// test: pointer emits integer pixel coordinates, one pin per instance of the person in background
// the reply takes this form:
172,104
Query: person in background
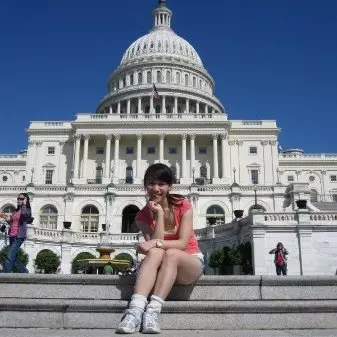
280,259
108,270
17,233
171,251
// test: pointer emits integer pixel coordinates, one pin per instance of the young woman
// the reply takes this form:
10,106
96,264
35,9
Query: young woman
172,252
17,233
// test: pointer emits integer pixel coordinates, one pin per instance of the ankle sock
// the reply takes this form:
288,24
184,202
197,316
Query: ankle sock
155,304
138,302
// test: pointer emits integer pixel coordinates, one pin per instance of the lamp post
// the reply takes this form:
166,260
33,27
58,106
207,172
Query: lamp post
193,172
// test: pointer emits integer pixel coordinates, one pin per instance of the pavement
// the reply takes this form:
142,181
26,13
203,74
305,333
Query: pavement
168,333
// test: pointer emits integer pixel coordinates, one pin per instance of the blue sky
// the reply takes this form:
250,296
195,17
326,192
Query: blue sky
270,60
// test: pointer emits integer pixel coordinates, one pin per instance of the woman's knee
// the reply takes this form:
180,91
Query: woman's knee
172,255
155,255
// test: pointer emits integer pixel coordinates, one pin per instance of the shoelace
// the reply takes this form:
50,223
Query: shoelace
129,317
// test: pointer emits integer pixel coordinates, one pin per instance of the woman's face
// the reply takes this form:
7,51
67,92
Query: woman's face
157,191
20,199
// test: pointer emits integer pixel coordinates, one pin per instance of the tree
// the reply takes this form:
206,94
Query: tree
216,258
76,265
22,256
47,261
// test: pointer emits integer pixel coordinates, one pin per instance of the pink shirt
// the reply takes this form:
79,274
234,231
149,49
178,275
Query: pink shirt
14,228
145,216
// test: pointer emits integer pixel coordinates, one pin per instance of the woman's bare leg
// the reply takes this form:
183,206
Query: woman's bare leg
148,271
177,266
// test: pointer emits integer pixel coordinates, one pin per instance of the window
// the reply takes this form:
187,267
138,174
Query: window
99,175
99,150
129,150
178,78
290,178
168,77
48,217
334,197
174,174
157,109
151,150
253,150
8,210
49,177
89,219
312,178
129,175
313,195
333,178
203,171
51,150
131,79
124,82
186,79
172,150
194,82
255,176
158,76
140,78
215,215
202,150
23,178
149,77
4,179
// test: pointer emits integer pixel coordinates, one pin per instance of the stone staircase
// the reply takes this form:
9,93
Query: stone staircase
213,303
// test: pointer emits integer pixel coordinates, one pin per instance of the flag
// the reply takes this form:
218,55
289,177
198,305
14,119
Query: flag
155,92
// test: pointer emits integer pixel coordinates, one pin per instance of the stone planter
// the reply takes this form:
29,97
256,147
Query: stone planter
301,204
66,224
238,213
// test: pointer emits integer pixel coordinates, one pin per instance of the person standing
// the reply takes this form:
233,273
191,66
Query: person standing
280,259
17,233
171,251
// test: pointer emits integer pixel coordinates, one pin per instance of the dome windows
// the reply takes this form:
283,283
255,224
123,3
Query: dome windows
159,76
168,77
140,78
149,77
178,78
186,79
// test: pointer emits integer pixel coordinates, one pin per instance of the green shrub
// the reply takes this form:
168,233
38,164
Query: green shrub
22,256
216,258
47,261
76,265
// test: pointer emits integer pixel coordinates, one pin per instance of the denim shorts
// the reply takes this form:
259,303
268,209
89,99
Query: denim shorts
200,257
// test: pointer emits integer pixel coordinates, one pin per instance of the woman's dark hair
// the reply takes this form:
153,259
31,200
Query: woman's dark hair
27,201
163,173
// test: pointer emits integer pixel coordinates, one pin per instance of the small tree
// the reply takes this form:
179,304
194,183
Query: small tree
235,256
216,258
76,265
47,261
22,256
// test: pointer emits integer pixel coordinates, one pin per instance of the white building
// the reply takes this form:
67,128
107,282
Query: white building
89,171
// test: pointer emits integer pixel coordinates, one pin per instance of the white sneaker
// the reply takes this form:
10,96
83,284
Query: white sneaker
131,320
151,322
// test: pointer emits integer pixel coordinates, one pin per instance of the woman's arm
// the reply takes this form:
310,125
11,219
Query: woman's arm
25,212
272,251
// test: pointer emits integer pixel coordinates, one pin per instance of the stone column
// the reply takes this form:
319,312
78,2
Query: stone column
66,252
192,147
225,159
107,156
198,107
128,106
140,105
187,105
110,109
151,105
215,158
206,108
85,156
183,178
274,161
264,143
161,148
116,160
138,178
163,103
118,107
77,155
175,104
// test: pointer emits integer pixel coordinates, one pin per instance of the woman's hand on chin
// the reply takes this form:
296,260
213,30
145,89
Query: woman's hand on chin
155,208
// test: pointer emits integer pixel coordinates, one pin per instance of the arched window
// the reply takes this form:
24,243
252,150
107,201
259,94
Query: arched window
158,76
168,77
8,210
256,207
140,78
89,219
124,82
131,79
178,78
129,175
149,77
313,195
194,82
99,175
215,215
48,217
174,173
186,79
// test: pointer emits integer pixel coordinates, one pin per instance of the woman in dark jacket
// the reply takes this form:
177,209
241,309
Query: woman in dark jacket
17,233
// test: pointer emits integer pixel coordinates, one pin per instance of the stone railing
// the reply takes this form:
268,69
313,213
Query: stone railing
321,218
280,217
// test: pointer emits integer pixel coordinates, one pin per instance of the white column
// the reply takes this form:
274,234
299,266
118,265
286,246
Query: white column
175,104
139,159
128,106
215,157
206,108
151,105
192,146
119,107
161,148
77,155
140,105
198,107
38,175
225,158
187,105
116,159
110,109
163,103
183,170
107,156
85,155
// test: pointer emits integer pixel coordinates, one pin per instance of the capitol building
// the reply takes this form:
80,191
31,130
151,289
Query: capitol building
160,106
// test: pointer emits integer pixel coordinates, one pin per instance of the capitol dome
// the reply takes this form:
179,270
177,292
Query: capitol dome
161,42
